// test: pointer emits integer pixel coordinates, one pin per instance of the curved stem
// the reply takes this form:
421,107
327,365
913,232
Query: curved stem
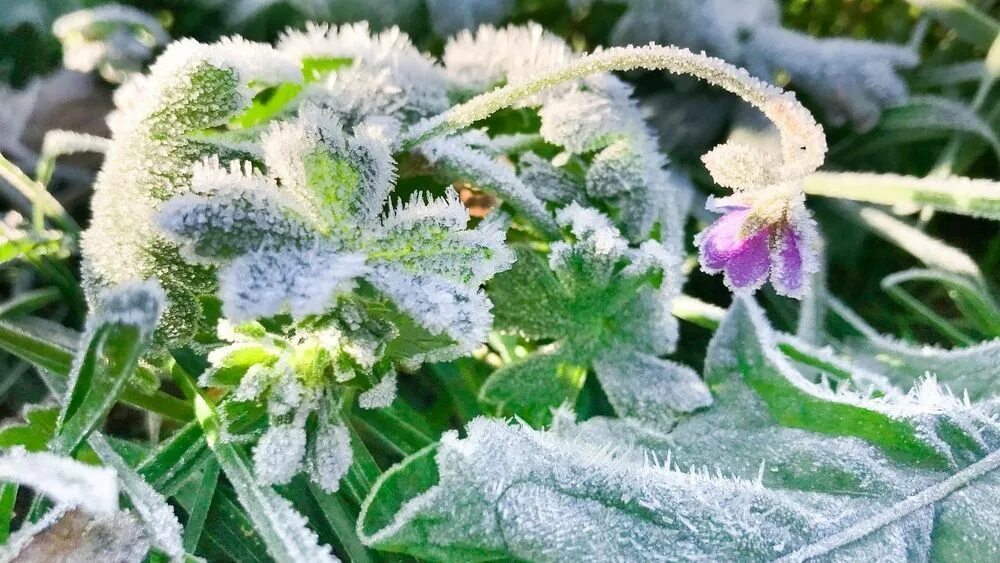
802,139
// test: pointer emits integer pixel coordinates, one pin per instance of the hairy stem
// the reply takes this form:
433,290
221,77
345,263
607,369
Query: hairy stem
965,196
897,511
802,140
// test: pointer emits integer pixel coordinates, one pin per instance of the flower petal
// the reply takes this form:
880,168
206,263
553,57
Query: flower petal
747,267
722,240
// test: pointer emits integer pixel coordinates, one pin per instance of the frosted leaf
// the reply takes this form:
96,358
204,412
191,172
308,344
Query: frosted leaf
919,427
595,297
964,370
382,394
330,455
535,385
235,212
341,179
449,17
158,517
446,248
455,155
530,301
490,56
615,170
514,492
300,281
115,38
598,249
410,84
439,305
646,387
278,455
191,88
62,479
546,180
584,121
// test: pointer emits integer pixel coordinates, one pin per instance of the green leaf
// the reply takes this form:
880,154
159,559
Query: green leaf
8,495
744,346
176,460
398,427
509,492
117,335
934,114
529,300
971,298
530,388
969,23
228,531
198,514
362,474
28,302
34,434
970,370
343,523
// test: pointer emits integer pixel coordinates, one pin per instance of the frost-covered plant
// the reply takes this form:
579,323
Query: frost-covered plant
605,307
361,248
111,38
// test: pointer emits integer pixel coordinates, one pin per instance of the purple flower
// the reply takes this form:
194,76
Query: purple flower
747,246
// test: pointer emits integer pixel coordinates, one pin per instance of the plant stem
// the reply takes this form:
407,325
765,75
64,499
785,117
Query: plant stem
975,198
37,195
899,510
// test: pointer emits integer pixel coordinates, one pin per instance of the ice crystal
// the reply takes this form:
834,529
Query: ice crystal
381,395
113,38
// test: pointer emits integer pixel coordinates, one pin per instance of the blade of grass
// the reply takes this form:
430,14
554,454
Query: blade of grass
28,302
198,514
49,346
398,427
38,196
342,522
965,196
8,494
968,22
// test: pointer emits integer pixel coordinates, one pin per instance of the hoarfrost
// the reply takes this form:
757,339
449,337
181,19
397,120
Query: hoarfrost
64,480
